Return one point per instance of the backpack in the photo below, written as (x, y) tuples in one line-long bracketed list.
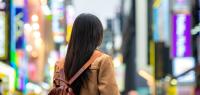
[(63, 87)]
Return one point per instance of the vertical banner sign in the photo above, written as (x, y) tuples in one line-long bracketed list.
[(155, 25), (20, 47), (58, 20), (3, 36), (181, 36), (156, 8), (13, 41)]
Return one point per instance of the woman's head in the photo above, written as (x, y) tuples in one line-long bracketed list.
[(87, 30), (87, 34)]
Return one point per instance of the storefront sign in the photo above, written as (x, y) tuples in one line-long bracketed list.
[(181, 36)]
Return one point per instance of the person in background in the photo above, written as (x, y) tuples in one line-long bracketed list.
[(99, 77)]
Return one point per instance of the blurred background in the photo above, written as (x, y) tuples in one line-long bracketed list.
[(155, 44)]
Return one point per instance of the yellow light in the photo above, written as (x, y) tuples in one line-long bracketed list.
[(69, 32), (116, 62), (34, 18), (35, 26), (29, 48), (38, 42), (43, 1), (156, 4), (27, 26), (173, 82), (36, 34), (34, 54), (46, 9), (27, 29)]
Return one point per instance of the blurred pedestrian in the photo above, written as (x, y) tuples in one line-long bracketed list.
[(85, 70), (1, 87)]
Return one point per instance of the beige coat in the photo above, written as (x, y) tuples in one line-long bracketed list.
[(101, 79)]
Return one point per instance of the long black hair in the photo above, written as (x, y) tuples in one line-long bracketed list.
[(87, 34)]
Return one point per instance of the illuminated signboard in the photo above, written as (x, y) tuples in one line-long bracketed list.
[(20, 46), (181, 36), (161, 21), (181, 65), (3, 36)]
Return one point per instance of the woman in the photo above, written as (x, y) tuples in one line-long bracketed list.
[(98, 79)]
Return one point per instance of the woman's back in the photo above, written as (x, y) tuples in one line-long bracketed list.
[(87, 35), (101, 80)]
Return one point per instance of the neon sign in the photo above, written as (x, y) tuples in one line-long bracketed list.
[(181, 40)]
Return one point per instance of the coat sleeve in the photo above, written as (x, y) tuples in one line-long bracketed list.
[(106, 78)]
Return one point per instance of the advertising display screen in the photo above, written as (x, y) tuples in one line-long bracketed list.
[(3, 36), (181, 36)]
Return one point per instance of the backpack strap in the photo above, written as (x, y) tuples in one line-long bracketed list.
[(95, 55), (65, 87), (61, 80)]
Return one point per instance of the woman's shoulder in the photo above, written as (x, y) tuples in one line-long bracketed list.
[(103, 59), (104, 55)]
